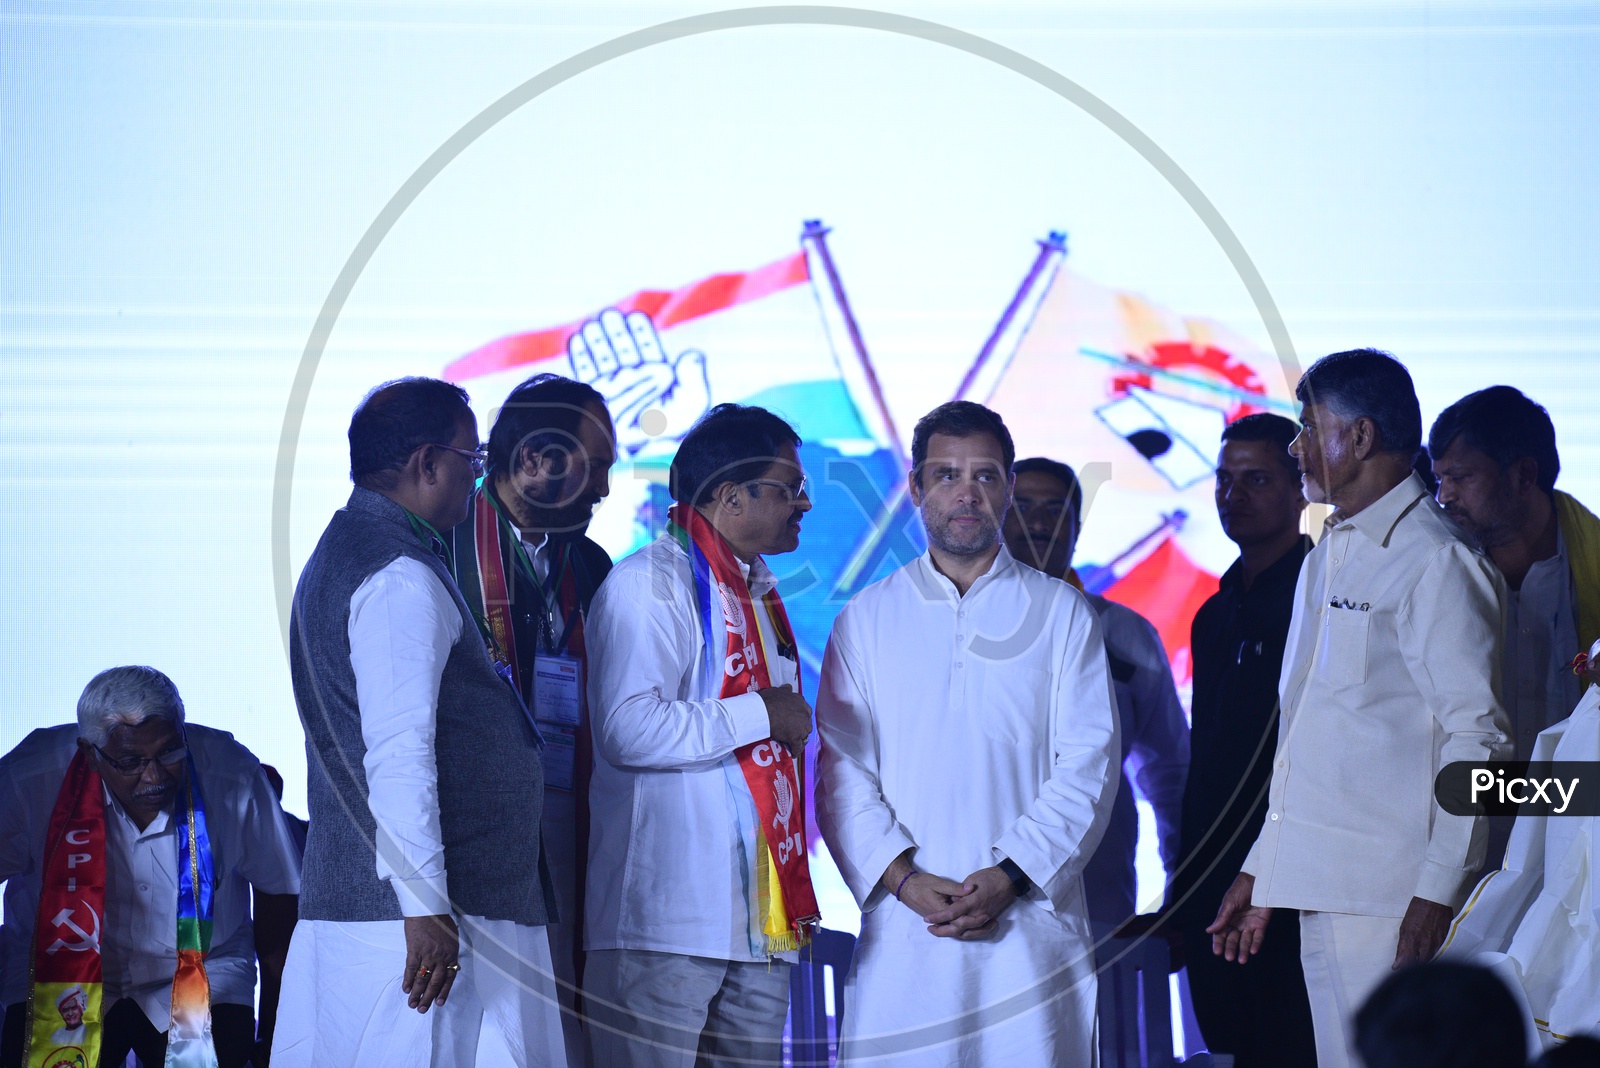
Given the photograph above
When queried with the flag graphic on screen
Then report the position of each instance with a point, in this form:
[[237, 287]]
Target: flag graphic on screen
[[1135, 397], [780, 335]]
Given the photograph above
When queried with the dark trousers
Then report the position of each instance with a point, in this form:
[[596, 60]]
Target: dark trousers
[[126, 1027], [1257, 1011]]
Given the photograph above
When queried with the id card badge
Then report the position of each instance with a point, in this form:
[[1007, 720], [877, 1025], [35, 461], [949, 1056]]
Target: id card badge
[[558, 689], [560, 757]]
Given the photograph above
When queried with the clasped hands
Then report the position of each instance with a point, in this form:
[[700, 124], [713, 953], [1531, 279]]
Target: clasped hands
[[969, 910]]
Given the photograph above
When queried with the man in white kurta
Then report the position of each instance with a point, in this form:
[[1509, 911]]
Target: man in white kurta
[[967, 726]]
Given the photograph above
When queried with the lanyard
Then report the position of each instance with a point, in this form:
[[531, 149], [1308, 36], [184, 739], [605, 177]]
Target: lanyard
[[547, 594], [430, 537]]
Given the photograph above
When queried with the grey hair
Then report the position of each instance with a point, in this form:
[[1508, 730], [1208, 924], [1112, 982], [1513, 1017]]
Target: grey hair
[[126, 695]]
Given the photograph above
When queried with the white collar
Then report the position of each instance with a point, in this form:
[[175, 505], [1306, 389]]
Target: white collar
[[157, 826]]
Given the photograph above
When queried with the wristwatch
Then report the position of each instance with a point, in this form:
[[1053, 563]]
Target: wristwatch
[[1019, 878]]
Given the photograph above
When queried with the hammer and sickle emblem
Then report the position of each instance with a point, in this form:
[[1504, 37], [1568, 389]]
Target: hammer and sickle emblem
[[87, 940], [784, 795]]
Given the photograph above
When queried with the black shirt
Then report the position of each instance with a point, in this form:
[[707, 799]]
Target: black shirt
[[1237, 641]]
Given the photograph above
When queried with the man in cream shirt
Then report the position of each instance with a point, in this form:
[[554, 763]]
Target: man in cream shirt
[[1391, 672]]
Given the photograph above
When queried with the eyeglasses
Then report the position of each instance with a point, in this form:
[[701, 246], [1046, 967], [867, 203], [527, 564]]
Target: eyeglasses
[[477, 459], [795, 489], [136, 765]]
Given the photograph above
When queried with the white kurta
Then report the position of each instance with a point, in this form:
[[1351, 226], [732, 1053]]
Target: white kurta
[[1535, 921], [968, 729]]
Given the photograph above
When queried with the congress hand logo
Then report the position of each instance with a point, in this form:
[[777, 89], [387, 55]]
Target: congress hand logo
[[649, 394]]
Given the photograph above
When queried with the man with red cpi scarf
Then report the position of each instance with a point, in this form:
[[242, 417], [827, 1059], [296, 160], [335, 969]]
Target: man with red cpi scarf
[[698, 890], [104, 825]]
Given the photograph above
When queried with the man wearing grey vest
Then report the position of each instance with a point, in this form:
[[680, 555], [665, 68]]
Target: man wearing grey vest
[[424, 887]]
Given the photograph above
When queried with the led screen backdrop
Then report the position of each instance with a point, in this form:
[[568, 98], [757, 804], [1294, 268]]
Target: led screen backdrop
[[1105, 380], [183, 186]]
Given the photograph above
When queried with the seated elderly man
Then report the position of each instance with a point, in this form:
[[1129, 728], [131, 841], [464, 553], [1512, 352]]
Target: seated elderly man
[[135, 838]]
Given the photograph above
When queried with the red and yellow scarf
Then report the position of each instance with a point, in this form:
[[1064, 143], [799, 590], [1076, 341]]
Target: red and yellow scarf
[[69, 928], [734, 653]]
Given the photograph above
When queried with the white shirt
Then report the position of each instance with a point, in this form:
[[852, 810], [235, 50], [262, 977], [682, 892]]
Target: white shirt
[[1541, 636], [672, 823], [1155, 746], [1397, 677], [967, 728], [539, 552], [403, 624], [251, 845], [69, 1036]]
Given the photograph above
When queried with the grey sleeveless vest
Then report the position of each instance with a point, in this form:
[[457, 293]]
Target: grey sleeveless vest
[[491, 778]]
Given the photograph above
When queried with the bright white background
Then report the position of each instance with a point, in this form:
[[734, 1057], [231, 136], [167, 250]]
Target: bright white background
[[180, 183]]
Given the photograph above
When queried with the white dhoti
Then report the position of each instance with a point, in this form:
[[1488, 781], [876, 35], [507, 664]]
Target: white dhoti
[[1534, 921], [342, 1003], [1026, 996], [1344, 958]]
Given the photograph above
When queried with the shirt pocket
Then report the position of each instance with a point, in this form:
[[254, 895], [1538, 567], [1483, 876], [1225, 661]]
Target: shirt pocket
[[1013, 702], [1343, 656]]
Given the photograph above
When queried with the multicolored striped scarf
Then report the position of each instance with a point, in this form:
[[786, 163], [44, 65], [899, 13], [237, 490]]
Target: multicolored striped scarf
[[785, 900], [72, 903]]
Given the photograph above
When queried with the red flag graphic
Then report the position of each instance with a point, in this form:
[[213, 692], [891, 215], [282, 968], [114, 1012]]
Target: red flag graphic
[[1167, 589]]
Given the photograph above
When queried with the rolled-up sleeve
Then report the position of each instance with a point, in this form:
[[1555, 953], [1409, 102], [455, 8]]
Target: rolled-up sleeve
[[271, 859]]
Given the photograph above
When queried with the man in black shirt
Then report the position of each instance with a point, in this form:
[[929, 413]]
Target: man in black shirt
[[1258, 1012], [528, 571]]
